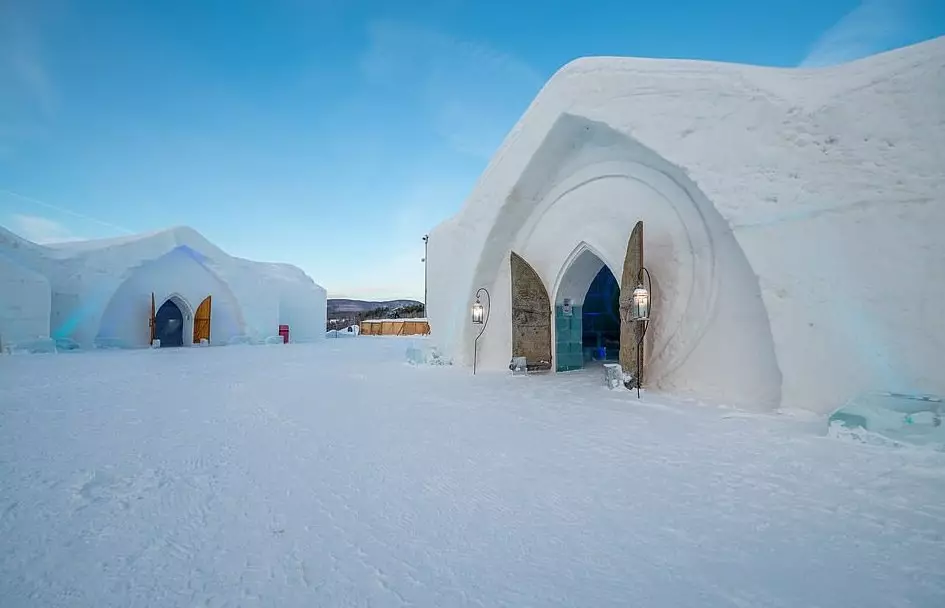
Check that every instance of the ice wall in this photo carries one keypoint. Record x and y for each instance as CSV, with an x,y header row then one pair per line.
x,y
24,303
304,308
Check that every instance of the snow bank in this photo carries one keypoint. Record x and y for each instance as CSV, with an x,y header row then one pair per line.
x,y
782,208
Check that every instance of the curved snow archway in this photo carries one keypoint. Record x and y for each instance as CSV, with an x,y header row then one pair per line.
x,y
179,275
578,272
588,183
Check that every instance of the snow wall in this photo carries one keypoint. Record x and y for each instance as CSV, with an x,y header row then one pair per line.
x,y
24,303
780,207
100,291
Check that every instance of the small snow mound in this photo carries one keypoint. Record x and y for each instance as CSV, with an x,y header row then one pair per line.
x,y
342,333
857,434
37,346
891,419
67,345
426,355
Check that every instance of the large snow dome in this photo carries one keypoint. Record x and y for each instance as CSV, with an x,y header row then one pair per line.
x,y
111,292
791,222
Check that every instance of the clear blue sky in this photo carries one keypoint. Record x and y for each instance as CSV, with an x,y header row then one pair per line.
x,y
333,134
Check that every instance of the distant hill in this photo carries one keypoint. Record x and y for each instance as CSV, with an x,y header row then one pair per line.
x,y
344,305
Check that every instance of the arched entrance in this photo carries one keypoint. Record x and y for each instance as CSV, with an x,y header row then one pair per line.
x,y
600,318
169,324
587,315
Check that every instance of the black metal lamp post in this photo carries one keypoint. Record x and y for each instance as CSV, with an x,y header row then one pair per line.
x,y
480,316
426,242
640,313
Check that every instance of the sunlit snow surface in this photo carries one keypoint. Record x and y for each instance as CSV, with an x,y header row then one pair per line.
x,y
337,475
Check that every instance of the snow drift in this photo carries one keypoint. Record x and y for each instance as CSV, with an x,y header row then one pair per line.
x,y
99,292
793,221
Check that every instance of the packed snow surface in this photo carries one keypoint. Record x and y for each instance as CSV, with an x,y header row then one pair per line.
x,y
334,474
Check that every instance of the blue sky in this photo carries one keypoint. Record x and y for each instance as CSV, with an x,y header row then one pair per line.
x,y
333,135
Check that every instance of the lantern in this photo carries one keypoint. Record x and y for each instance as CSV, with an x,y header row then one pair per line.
x,y
478,312
480,316
640,309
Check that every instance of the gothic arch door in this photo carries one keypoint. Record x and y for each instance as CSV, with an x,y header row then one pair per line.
x,y
202,321
531,316
169,324
631,345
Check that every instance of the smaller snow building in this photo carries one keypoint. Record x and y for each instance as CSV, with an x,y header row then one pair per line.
x,y
174,286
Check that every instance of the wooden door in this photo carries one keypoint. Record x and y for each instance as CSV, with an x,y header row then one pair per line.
x,y
151,320
531,316
631,346
202,321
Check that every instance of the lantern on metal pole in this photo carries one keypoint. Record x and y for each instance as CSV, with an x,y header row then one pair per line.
x,y
480,316
640,313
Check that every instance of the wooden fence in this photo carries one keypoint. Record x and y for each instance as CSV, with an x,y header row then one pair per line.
x,y
395,327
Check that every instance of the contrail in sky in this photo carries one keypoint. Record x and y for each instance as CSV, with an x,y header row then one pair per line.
x,y
65,211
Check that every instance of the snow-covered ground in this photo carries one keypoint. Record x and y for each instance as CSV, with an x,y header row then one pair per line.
x,y
334,474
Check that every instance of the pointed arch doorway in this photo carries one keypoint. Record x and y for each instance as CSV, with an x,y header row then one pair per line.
x,y
586,310
169,324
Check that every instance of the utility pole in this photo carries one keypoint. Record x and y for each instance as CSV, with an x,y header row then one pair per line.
x,y
426,242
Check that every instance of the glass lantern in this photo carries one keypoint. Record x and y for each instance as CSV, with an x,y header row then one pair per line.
x,y
478,312
640,309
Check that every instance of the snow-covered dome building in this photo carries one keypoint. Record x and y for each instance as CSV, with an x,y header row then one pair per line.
x,y
174,286
792,225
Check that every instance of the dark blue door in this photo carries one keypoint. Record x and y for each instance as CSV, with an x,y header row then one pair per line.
x,y
169,325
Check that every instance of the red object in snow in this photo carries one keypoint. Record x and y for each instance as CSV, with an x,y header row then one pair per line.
x,y
284,332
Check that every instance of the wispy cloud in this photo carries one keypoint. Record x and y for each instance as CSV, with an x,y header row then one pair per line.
x,y
41,229
872,27
472,92
60,209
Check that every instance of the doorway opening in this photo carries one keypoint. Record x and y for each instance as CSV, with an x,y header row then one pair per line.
x,y
169,324
587,317
600,318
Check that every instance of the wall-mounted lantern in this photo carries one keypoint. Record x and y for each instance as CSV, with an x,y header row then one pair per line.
x,y
480,316
567,307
